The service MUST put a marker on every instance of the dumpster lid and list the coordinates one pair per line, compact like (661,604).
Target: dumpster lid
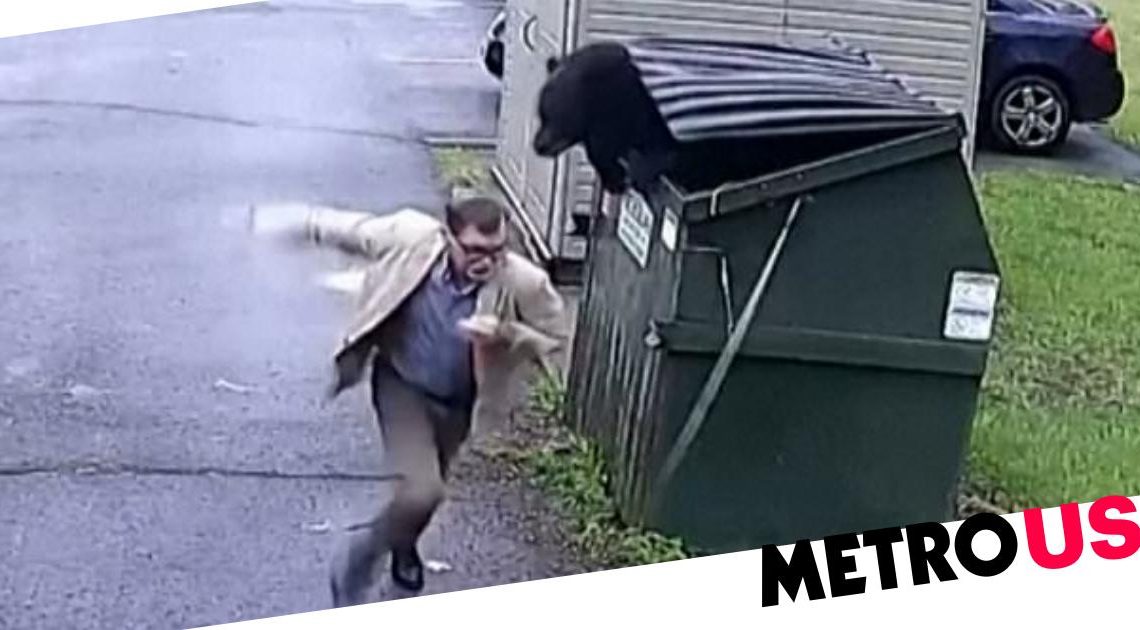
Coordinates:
(708,90)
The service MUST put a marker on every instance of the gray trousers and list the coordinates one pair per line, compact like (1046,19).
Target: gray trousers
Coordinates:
(420,437)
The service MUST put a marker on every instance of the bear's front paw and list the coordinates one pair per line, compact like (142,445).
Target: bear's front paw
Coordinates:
(615,187)
(615,183)
(646,171)
(642,181)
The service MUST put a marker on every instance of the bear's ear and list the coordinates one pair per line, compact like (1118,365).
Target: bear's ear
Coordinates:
(552,64)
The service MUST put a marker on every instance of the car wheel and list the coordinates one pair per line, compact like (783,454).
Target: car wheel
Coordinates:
(493,59)
(1030,114)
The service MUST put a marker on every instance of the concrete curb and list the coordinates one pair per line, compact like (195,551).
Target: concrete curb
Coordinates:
(458,142)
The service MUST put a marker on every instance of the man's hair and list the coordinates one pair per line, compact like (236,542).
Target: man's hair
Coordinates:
(485,214)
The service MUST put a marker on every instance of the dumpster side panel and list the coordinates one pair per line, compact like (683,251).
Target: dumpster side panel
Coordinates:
(857,413)
(799,450)
(594,386)
(613,386)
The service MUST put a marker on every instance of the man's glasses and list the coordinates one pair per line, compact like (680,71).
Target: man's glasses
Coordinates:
(477,251)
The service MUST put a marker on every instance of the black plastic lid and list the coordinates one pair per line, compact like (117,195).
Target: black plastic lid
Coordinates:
(708,90)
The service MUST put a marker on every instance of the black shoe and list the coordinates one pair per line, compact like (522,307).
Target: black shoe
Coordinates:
(350,578)
(407,569)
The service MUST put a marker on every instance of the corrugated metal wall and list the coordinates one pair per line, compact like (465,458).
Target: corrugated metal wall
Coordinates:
(535,32)
(934,45)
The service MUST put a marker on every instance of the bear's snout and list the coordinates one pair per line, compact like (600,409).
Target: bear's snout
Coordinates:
(548,146)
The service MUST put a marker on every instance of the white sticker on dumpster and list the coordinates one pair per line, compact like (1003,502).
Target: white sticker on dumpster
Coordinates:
(669,230)
(973,301)
(635,225)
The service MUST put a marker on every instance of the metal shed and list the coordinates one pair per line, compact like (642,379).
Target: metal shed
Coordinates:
(933,45)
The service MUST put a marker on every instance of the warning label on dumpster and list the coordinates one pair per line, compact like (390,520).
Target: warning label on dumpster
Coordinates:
(973,300)
(635,227)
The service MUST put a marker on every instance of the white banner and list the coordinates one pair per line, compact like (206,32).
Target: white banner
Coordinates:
(1070,565)
(23,18)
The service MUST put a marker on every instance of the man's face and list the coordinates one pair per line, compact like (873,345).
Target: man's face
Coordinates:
(477,255)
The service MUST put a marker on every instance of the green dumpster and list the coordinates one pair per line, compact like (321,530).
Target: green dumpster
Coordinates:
(783,336)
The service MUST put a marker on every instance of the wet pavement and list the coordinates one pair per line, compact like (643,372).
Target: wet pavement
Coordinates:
(165,460)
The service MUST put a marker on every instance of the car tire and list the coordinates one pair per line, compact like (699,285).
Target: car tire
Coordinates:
(493,59)
(1030,114)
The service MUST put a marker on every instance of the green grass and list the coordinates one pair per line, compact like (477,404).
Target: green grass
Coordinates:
(462,168)
(1059,419)
(571,471)
(1125,17)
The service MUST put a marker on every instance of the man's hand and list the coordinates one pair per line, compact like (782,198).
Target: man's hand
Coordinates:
(483,330)
(289,221)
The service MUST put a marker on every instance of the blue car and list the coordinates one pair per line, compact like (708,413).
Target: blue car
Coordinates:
(1047,64)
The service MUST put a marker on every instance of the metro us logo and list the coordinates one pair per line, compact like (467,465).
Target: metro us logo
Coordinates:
(927,547)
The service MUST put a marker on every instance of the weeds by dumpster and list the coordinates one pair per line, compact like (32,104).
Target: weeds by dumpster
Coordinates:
(462,168)
(570,470)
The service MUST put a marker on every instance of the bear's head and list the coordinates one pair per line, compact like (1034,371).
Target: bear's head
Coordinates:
(579,95)
(562,114)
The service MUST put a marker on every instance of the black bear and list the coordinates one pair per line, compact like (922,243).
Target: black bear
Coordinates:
(595,96)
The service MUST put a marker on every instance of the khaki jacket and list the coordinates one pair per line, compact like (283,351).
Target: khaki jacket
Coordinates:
(401,249)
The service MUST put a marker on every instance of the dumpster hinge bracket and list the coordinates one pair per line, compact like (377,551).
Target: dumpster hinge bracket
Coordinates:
(724,278)
(726,293)
(699,412)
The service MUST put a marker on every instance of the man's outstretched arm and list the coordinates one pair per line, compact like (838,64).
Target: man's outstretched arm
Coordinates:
(355,232)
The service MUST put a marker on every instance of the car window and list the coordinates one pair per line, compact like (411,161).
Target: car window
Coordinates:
(998,6)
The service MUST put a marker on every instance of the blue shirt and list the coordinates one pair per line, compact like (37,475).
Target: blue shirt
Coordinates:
(428,350)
